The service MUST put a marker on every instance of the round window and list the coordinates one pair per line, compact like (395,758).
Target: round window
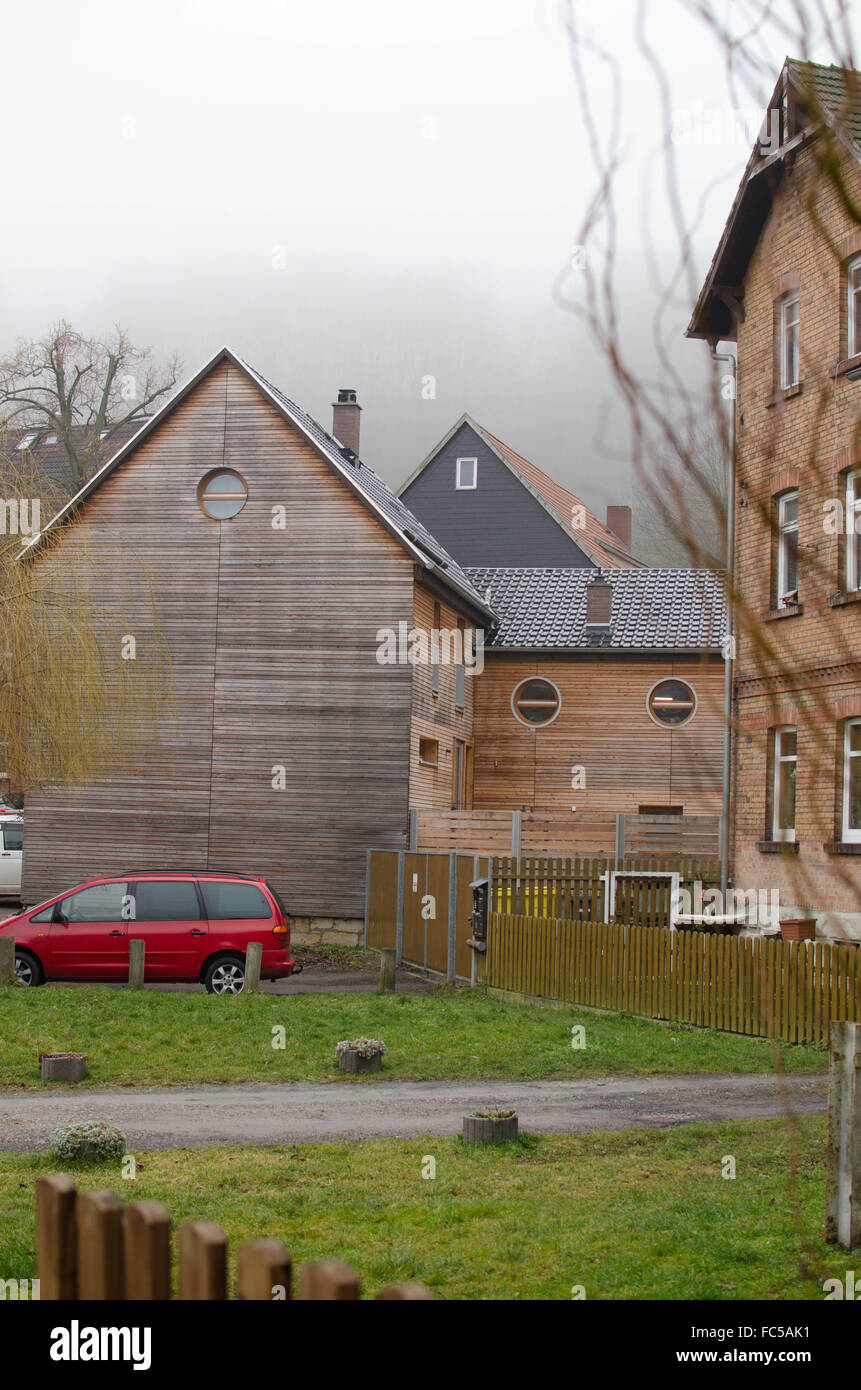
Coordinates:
(671,703)
(222,493)
(536,702)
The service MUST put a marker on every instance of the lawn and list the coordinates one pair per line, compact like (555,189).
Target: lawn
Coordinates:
(630,1215)
(158,1039)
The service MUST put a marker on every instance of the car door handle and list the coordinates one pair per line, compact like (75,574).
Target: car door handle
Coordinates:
(195,931)
(116,933)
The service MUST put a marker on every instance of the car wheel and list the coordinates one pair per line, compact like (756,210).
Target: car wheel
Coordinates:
(225,975)
(28,971)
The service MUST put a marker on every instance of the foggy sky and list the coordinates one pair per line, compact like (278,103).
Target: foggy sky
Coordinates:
(419,171)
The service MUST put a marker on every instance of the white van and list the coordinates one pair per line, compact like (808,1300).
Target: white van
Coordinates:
(11,847)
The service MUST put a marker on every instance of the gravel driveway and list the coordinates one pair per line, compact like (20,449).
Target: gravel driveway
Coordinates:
(262,1114)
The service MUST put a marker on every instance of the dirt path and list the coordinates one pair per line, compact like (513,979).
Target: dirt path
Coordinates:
(261,1114)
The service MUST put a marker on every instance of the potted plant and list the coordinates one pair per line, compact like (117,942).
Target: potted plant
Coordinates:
(92,1140)
(490,1127)
(362,1054)
(798,928)
(63,1066)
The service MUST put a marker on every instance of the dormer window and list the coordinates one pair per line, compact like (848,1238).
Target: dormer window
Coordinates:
(466,478)
(788,355)
(853,307)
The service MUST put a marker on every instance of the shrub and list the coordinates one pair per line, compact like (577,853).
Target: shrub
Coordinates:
(93,1140)
(366,1047)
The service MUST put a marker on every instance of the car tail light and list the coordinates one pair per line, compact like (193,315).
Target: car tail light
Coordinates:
(281,931)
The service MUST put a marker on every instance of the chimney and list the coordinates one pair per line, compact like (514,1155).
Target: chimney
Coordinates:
(345,419)
(599,603)
(619,522)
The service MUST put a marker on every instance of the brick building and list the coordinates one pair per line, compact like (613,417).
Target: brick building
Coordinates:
(785,285)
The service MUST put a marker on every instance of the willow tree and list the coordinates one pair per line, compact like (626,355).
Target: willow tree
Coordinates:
(85,675)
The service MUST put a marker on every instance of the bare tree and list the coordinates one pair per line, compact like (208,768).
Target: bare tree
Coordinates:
(82,389)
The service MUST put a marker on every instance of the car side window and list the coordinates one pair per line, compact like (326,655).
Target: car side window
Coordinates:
(166,900)
(46,915)
(225,900)
(103,902)
(13,837)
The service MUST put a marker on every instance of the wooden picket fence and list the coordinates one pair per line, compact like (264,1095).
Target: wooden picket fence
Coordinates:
(762,986)
(573,889)
(90,1246)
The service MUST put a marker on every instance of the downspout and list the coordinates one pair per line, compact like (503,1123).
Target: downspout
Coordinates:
(729,643)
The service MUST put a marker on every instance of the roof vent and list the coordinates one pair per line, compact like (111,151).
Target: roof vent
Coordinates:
(599,603)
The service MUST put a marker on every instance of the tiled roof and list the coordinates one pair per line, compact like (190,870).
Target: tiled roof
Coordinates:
(652,609)
(50,461)
(838,91)
(605,546)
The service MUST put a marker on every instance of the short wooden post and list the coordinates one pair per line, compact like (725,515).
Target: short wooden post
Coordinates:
(328,1279)
(146,1251)
(387,970)
(406,1292)
(843,1154)
(100,1246)
(202,1247)
(7,960)
(137,963)
(56,1237)
(253,962)
(263,1271)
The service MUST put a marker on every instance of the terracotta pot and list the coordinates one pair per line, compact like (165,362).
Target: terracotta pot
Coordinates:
(798,929)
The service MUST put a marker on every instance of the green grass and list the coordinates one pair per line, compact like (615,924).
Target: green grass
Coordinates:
(631,1215)
(159,1039)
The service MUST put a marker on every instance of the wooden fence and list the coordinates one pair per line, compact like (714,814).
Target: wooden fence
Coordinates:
(534,833)
(574,889)
(89,1246)
(761,986)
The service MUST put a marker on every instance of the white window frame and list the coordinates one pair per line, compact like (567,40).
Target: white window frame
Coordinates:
(853,517)
(784,834)
(460,485)
(847,835)
(28,440)
(784,531)
(790,318)
(853,296)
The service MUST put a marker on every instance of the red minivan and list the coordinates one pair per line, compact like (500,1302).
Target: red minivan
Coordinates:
(196,926)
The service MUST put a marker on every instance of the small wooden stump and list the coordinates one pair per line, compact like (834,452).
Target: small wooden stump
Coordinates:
(387,970)
(137,963)
(63,1066)
(480,1130)
(354,1061)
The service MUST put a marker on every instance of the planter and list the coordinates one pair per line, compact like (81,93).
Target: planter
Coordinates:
(63,1066)
(798,929)
(486,1129)
(354,1061)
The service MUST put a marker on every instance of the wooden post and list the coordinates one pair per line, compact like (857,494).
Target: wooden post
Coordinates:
(263,1270)
(414,830)
(100,1246)
(56,1238)
(387,970)
(7,960)
(253,961)
(202,1261)
(137,963)
(843,1155)
(516,833)
(146,1251)
(328,1279)
(406,1292)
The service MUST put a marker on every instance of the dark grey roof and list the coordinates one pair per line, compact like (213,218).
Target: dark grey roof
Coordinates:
(378,492)
(50,461)
(652,609)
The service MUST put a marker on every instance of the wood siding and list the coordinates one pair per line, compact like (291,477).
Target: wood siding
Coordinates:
(272,634)
(436,717)
(603,727)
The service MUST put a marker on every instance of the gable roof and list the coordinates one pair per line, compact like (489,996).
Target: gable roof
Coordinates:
(398,520)
(600,544)
(812,100)
(652,610)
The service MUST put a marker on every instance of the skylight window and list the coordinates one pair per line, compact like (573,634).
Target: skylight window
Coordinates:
(28,441)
